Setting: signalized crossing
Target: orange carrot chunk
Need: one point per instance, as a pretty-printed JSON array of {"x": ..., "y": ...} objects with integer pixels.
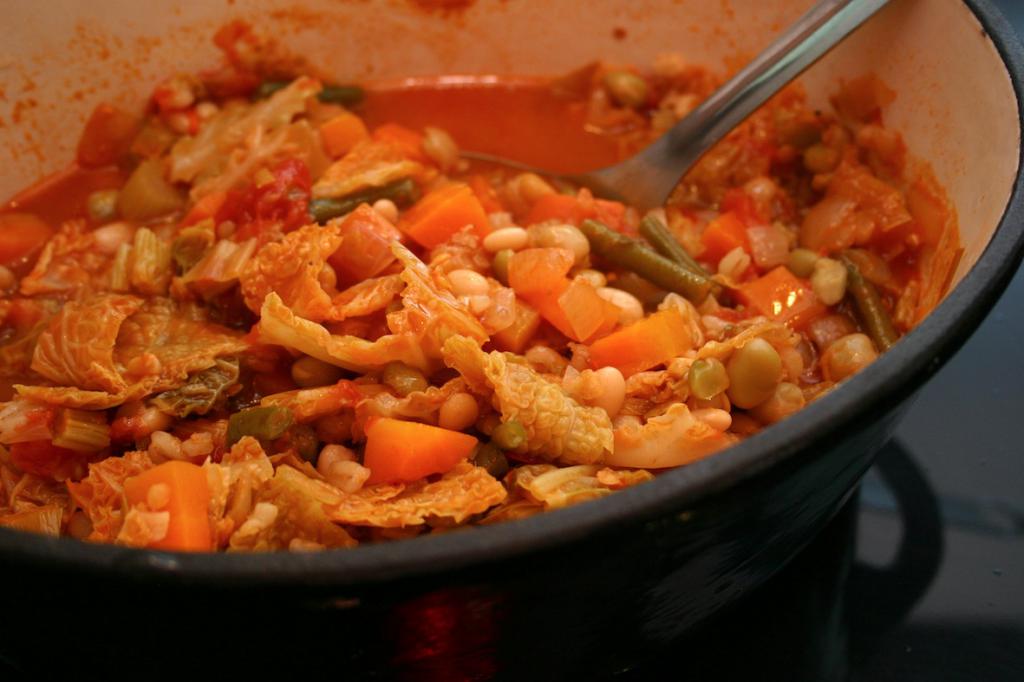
[
  {"x": 546, "y": 303},
  {"x": 21, "y": 235},
  {"x": 187, "y": 501},
  {"x": 409, "y": 141},
  {"x": 206, "y": 207},
  {"x": 783, "y": 297},
  {"x": 442, "y": 213},
  {"x": 650, "y": 342},
  {"x": 341, "y": 133},
  {"x": 561, "y": 207},
  {"x": 583, "y": 308},
  {"x": 722, "y": 235},
  {"x": 485, "y": 193},
  {"x": 366, "y": 245},
  {"x": 571, "y": 306},
  {"x": 515, "y": 337},
  {"x": 575, "y": 209},
  {"x": 402, "y": 452},
  {"x": 539, "y": 271}
]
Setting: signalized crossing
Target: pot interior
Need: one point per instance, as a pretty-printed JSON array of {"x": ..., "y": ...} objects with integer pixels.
[{"x": 955, "y": 104}]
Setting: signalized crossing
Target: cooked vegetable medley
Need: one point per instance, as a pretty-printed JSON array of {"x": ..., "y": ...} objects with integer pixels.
[{"x": 263, "y": 316}]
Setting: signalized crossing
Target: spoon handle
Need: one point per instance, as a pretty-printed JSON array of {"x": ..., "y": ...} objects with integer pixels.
[{"x": 648, "y": 178}]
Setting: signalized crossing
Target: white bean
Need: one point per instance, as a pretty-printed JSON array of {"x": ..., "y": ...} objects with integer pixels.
[
  {"x": 500, "y": 219},
  {"x": 348, "y": 477},
  {"x": 595, "y": 278},
  {"x": 331, "y": 455},
  {"x": 513, "y": 238},
  {"x": 468, "y": 283},
  {"x": 206, "y": 110},
  {"x": 630, "y": 308},
  {"x": 561, "y": 237},
  {"x": 719, "y": 420},
  {"x": 761, "y": 188},
  {"x": 440, "y": 147},
  {"x": 828, "y": 280},
  {"x": 847, "y": 355},
  {"x": 458, "y": 412},
  {"x": 529, "y": 187},
  {"x": 164, "y": 446},
  {"x": 734, "y": 263},
  {"x": 613, "y": 390},
  {"x": 386, "y": 209},
  {"x": 109, "y": 237},
  {"x": 479, "y": 303}
]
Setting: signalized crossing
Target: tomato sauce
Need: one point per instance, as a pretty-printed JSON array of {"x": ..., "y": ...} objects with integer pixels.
[
  {"x": 520, "y": 118},
  {"x": 63, "y": 196}
]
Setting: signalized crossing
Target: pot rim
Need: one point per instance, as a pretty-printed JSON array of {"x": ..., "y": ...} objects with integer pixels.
[{"x": 886, "y": 382}]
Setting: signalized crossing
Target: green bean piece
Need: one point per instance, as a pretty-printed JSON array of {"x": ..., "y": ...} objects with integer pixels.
[
  {"x": 346, "y": 95},
  {"x": 500, "y": 265},
  {"x": 630, "y": 254},
  {"x": 873, "y": 314},
  {"x": 403, "y": 379},
  {"x": 490, "y": 457},
  {"x": 656, "y": 232},
  {"x": 263, "y": 423},
  {"x": 509, "y": 435},
  {"x": 403, "y": 192},
  {"x": 268, "y": 88}
]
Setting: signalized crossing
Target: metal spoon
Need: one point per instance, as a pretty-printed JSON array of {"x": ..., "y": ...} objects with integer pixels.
[{"x": 647, "y": 179}]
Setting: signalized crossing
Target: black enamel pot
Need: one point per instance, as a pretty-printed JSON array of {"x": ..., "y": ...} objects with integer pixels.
[{"x": 585, "y": 591}]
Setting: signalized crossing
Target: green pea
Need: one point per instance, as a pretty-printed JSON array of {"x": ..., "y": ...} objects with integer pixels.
[
  {"x": 708, "y": 378},
  {"x": 308, "y": 372},
  {"x": 403, "y": 379},
  {"x": 490, "y": 457},
  {"x": 510, "y": 435},
  {"x": 754, "y": 372},
  {"x": 628, "y": 89},
  {"x": 500, "y": 265},
  {"x": 801, "y": 262},
  {"x": 102, "y": 205}
]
